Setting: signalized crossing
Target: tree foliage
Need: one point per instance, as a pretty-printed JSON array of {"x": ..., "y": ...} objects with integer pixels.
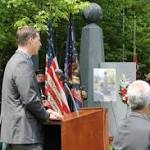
[
  {"x": 114, "y": 39},
  {"x": 16, "y": 13}
]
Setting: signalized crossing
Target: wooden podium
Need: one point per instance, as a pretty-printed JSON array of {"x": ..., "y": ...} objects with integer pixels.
[{"x": 86, "y": 130}]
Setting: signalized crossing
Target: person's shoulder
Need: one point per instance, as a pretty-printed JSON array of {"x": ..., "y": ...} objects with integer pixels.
[
  {"x": 17, "y": 58},
  {"x": 15, "y": 62}
]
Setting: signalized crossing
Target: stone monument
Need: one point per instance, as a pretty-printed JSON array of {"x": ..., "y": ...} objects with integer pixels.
[{"x": 91, "y": 48}]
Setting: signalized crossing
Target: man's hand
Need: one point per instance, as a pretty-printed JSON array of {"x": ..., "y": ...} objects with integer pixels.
[{"x": 54, "y": 115}]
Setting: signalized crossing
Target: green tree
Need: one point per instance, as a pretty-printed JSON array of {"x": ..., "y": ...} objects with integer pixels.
[
  {"x": 114, "y": 39},
  {"x": 17, "y": 13}
]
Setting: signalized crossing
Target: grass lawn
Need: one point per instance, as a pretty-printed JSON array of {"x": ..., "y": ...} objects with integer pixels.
[{"x": 110, "y": 147}]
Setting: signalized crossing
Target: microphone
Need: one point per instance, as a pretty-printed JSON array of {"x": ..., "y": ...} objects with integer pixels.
[
  {"x": 64, "y": 78},
  {"x": 61, "y": 76},
  {"x": 42, "y": 95}
]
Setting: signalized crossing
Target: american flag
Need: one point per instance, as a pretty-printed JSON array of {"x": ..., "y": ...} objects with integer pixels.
[
  {"x": 53, "y": 89},
  {"x": 71, "y": 66}
]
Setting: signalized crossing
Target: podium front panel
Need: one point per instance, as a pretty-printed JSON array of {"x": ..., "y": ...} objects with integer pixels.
[{"x": 86, "y": 130}]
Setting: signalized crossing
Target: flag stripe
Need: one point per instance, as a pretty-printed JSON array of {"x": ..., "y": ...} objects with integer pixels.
[
  {"x": 57, "y": 84},
  {"x": 53, "y": 104},
  {"x": 53, "y": 94},
  {"x": 53, "y": 88}
]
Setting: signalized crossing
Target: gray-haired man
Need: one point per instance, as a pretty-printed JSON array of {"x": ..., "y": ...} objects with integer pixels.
[{"x": 134, "y": 133}]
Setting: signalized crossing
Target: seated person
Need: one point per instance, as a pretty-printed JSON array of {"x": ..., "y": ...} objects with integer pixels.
[
  {"x": 40, "y": 77},
  {"x": 134, "y": 133}
]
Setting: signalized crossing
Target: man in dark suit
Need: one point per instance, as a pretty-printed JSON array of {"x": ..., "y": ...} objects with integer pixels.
[{"x": 22, "y": 113}]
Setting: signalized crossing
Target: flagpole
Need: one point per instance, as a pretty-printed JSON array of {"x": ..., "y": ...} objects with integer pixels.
[
  {"x": 72, "y": 98},
  {"x": 134, "y": 37},
  {"x": 123, "y": 32}
]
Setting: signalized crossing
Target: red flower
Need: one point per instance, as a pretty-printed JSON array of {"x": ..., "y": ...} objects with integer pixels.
[{"x": 123, "y": 91}]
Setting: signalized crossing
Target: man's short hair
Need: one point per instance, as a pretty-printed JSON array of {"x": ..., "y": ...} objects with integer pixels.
[
  {"x": 138, "y": 94},
  {"x": 24, "y": 33}
]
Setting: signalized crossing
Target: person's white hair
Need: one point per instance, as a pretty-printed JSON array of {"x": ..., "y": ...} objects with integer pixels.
[{"x": 138, "y": 94}]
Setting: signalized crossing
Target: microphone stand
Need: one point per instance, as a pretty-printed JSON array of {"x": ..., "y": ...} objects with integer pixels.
[
  {"x": 73, "y": 100},
  {"x": 42, "y": 95}
]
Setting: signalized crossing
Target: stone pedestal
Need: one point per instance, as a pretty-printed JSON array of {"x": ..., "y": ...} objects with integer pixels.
[{"x": 91, "y": 48}]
